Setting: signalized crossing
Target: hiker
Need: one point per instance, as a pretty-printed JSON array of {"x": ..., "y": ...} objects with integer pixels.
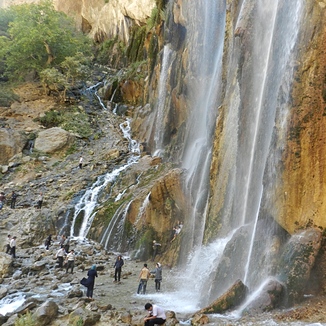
[
  {"x": 81, "y": 162},
  {"x": 48, "y": 242},
  {"x": 8, "y": 244},
  {"x": 70, "y": 261},
  {"x": 13, "y": 200},
  {"x": 13, "y": 247},
  {"x": 90, "y": 281},
  {"x": 61, "y": 253},
  {"x": 118, "y": 266},
  {"x": 39, "y": 201},
  {"x": 155, "y": 249},
  {"x": 143, "y": 278},
  {"x": 158, "y": 276},
  {"x": 2, "y": 199}
]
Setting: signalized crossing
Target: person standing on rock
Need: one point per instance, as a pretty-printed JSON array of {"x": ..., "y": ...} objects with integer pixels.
[
  {"x": 66, "y": 244},
  {"x": 8, "y": 249},
  {"x": 92, "y": 273},
  {"x": 13, "y": 246},
  {"x": 156, "y": 315},
  {"x": 39, "y": 201},
  {"x": 61, "y": 253},
  {"x": 2, "y": 199},
  {"x": 70, "y": 261},
  {"x": 13, "y": 200},
  {"x": 117, "y": 268},
  {"x": 158, "y": 276},
  {"x": 81, "y": 162},
  {"x": 143, "y": 278},
  {"x": 155, "y": 249},
  {"x": 48, "y": 242}
]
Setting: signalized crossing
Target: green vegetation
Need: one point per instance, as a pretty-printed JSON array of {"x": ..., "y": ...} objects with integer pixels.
[
  {"x": 35, "y": 37},
  {"x": 7, "y": 96},
  {"x": 26, "y": 320},
  {"x": 51, "y": 119}
]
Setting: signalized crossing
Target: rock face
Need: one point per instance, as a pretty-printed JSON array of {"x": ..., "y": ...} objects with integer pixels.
[
  {"x": 11, "y": 143},
  {"x": 232, "y": 298},
  {"x": 53, "y": 140},
  {"x": 297, "y": 261}
]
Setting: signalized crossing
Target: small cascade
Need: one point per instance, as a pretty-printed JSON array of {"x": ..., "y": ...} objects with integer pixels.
[
  {"x": 163, "y": 97},
  {"x": 142, "y": 209},
  {"x": 113, "y": 235},
  {"x": 84, "y": 209}
]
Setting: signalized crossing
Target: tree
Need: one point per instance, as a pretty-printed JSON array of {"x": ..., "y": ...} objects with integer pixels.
[{"x": 39, "y": 37}]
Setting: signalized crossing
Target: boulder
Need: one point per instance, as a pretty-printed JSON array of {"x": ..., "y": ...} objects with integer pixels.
[
  {"x": 199, "y": 320},
  {"x": 269, "y": 298},
  {"x": 46, "y": 313},
  {"x": 53, "y": 140},
  {"x": 5, "y": 262},
  {"x": 11, "y": 143},
  {"x": 89, "y": 318},
  {"x": 296, "y": 262},
  {"x": 230, "y": 299}
]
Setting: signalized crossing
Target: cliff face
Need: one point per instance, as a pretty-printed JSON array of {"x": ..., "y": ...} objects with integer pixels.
[{"x": 102, "y": 19}]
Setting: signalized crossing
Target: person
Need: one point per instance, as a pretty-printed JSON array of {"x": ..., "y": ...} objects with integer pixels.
[
  {"x": 13, "y": 246},
  {"x": 30, "y": 146},
  {"x": 8, "y": 249},
  {"x": 39, "y": 201},
  {"x": 117, "y": 271},
  {"x": 70, "y": 261},
  {"x": 90, "y": 282},
  {"x": 62, "y": 240},
  {"x": 60, "y": 255},
  {"x": 156, "y": 315},
  {"x": 155, "y": 249},
  {"x": 2, "y": 199},
  {"x": 13, "y": 200},
  {"x": 158, "y": 276},
  {"x": 48, "y": 242},
  {"x": 66, "y": 244},
  {"x": 143, "y": 278},
  {"x": 80, "y": 162}
]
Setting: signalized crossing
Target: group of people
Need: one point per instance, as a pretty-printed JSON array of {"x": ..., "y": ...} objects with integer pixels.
[
  {"x": 11, "y": 246},
  {"x": 13, "y": 199}
]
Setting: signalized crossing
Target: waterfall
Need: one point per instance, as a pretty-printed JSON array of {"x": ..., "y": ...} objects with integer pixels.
[
  {"x": 85, "y": 207},
  {"x": 256, "y": 87}
]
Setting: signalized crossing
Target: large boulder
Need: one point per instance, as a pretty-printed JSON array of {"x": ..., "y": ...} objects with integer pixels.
[
  {"x": 5, "y": 263},
  {"x": 230, "y": 299},
  {"x": 296, "y": 262},
  {"x": 11, "y": 143},
  {"x": 53, "y": 140},
  {"x": 46, "y": 313},
  {"x": 269, "y": 298}
]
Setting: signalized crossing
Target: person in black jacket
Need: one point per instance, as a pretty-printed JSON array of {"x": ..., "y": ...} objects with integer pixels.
[
  {"x": 118, "y": 265},
  {"x": 90, "y": 282}
]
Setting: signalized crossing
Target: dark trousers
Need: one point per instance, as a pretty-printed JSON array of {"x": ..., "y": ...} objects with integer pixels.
[
  {"x": 60, "y": 261},
  {"x": 158, "y": 285},
  {"x": 39, "y": 204},
  {"x": 70, "y": 264},
  {"x": 117, "y": 274},
  {"x": 13, "y": 252},
  {"x": 142, "y": 286},
  {"x": 13, "y": 203},
  {"x": 89, "y": 293},
  {"x": 8, "y": 249},
  {"x": 155, "y": 321}
]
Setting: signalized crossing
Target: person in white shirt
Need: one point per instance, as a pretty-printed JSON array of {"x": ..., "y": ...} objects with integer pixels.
[
  {"x": 70, "y": 261},
  {"x": 60, "y": 255},
  {"x": 13, "y": 247},
  {"x": 156, "y": 315}
]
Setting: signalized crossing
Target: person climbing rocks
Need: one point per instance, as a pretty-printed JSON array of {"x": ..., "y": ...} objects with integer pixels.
[
  {"x": 70, "y": 261},
  {"x": 143, "y": 278},
  {"x": 13, "y": 246},
  {"x": 61, "y": 253},
  {"x": 8, "y": 244},
  {"x": 48, "y": 242},
  {"x": 39, "y": 201},
  {"x": 117, "y": 268},
  {"x": 13, "y": 200},
  {"x": 158, "y": 276},
  {"x": 155, "y": 249},
  {"x": 81, "y": 162},
  {"x": 2, "y": 199}
]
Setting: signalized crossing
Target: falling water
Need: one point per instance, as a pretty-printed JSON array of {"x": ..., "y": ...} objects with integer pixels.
[
  {"x": 89, "y": 201},
  {"x": 252, "y": 96}
]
